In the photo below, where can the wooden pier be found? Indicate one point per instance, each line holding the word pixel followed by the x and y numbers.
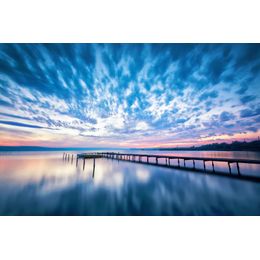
pixel 180 162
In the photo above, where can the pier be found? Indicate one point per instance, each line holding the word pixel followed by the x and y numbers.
pixel 172 161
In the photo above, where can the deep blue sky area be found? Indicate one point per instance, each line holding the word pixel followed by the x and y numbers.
pixel 128 95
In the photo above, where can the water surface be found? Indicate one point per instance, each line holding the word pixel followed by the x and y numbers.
pixel 41 183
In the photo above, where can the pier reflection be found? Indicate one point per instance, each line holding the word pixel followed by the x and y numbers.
pixel 46 184
pixel 66 158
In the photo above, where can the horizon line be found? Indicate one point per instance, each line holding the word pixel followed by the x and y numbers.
pixel 118 148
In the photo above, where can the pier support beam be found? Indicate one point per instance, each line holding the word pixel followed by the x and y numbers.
pixel 213 166
pixel 238 170
pixel 229 167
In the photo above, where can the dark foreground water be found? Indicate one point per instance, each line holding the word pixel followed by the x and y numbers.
pixel 41 183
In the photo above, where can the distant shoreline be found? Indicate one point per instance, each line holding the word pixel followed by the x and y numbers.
pixel 253 146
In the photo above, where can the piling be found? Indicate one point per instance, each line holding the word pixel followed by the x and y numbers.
pixel 213 166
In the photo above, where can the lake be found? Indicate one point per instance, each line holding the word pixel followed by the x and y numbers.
pixel 42 183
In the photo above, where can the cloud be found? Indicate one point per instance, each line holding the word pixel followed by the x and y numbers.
pixel 247 99
pixel 19 124
pixel 91 94
pixel 141 126
pixel 207 95
pixel 226 116
pixel 249 112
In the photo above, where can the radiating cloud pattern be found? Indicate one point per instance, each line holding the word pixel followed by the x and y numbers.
pixel 128 95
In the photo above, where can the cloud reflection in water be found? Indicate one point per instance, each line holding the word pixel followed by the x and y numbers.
pixel 55 187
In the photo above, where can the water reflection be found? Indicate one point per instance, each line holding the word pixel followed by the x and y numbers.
pixel 44 184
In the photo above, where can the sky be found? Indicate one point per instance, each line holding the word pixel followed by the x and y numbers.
pixel 128 95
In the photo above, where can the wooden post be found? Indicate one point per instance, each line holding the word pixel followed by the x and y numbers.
pixel 72 159
pixel 213 166
pixel 238 170
pixel 147 159
pixel 229 167
pixel 77 161
pixel 193 164
pixel 179 163
pixel 184 163
pixel 156 160
pixel 204 165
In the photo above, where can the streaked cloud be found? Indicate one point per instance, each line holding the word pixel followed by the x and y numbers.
pixel 128 94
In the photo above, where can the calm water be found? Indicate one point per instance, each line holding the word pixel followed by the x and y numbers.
pixel 41 183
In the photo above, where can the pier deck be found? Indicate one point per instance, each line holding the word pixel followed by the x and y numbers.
pixel 180 162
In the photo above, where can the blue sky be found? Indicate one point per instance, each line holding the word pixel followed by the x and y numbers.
pixel 128 95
